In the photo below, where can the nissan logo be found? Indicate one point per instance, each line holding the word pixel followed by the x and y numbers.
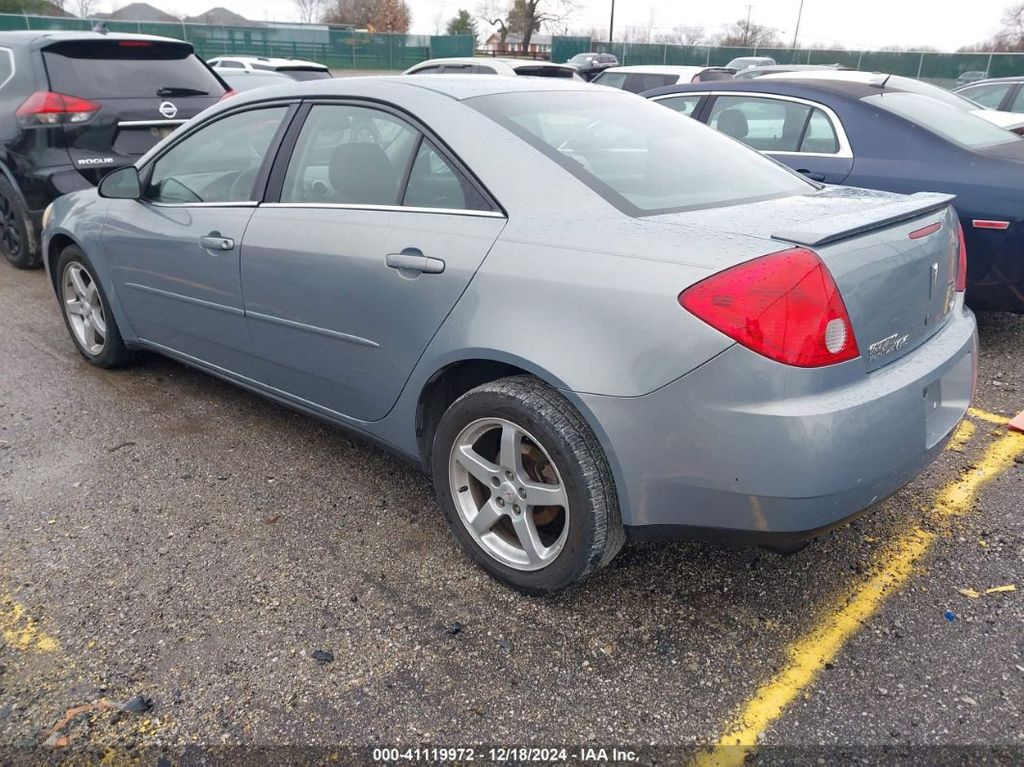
pixel 168 110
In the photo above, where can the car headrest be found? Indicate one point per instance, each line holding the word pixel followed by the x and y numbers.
pixel 733 122
pixel 362 173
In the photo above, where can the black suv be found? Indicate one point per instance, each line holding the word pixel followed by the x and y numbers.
pixel 76 105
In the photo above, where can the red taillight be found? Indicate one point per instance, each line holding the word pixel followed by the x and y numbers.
pixel 228 94
pixel 785 306
pixel 48 108
pixel 135 44
pixel 961 269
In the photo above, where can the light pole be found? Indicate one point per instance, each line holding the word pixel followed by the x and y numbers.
pixel 611 23
pixel 796 34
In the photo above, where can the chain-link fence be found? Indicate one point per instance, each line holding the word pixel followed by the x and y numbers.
pixel 338 48
pixel 938 67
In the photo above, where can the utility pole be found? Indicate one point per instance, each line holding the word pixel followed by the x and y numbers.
pixel 799 15
pixel 611 23
pixel 746 34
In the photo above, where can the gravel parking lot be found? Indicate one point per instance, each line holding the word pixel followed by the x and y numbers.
pixel 263 579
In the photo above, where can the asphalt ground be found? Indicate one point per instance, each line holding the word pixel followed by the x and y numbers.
pixel 165 535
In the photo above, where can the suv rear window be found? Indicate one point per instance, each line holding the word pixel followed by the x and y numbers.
pixel 110 69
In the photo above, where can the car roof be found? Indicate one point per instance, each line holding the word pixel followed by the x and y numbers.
pixel 458 87
pixel 275 62
pixel 41 38
pixel 790 86
pixel 484 60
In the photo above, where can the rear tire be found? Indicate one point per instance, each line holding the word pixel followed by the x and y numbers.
pixel 86 311
pixel 525 485
pixel 18 240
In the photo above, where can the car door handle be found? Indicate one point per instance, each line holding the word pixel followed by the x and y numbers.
pixel 812 175
pixel 413 260
pixel 215 241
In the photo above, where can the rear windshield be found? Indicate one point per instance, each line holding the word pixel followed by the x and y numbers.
pixel 105 69
pixel 642 158
pixel 946 121
pixel 545 71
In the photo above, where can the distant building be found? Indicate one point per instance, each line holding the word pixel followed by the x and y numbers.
pixel 138 12
pixel 223 17
pixel 539 44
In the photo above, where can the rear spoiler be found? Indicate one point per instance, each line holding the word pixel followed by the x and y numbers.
pixel 832 228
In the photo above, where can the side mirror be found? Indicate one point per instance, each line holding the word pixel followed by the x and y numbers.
pixel 122 184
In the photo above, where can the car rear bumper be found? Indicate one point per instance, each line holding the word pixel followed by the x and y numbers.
pixel 746 447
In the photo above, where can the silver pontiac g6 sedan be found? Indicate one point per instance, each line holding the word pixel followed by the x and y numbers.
pixel 586 316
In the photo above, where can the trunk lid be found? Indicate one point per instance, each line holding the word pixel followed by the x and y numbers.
pixel 144 90
pixel 893 257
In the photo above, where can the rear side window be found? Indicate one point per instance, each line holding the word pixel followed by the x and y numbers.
pixel 543 71
pixel 434 183
pixel 230 65
pixel 711 75
pixel 348 155
pixel 990 96
pixel 764 124
pixel 611 79
pixel 110 69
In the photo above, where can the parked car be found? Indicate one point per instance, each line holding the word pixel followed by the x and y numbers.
pixel 297 69
pixel 971 77
pixel 590 65
pixel 745 62
pixel 662 333
pixel 637 79
pixel 752 73
pixel 1003 93
pixel 863 135
pixel 487 66
pixel 1007 120
pixel 76 105
pixel 240 80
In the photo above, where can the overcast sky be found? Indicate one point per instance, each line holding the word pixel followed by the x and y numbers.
pixel 944 24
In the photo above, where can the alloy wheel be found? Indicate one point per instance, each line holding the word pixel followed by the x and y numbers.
pixel 10 226
pixel 84 308
pixel 509 494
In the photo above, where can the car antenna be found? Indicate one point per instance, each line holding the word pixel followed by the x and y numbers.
pixel 882 85
pixel 101 28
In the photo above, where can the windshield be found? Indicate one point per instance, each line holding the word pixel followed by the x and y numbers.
pixel 642 158
pixel 944 120
pixel 128 69
pixel 582 58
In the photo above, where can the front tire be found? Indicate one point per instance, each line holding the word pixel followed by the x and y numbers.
pixel 18 240
pixel 525 485
pixel 86 311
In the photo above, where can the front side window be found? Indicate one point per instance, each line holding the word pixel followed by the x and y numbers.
pixel 217 163
pixel 640 157
pixel 767 125
pixel 948 122
pixel 349 155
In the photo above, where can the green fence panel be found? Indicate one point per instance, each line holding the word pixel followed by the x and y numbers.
pixel 564 48
pixel 447 46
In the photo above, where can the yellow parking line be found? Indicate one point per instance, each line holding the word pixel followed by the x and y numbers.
pixel 984 415
pixel 20 630
pixel 808 655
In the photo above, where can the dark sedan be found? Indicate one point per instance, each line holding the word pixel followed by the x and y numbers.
pixel 863 134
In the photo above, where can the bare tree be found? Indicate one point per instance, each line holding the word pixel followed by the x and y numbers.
pixel 85 8
pixel 1011 35
pixel 309 10
pixel 746 34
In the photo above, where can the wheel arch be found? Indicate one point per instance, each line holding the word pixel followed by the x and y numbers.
pixel 456 376
pixel 58 242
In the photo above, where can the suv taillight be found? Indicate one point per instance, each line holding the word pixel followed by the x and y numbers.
pixel 49 108
pixel 961 269
pixel 785 306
